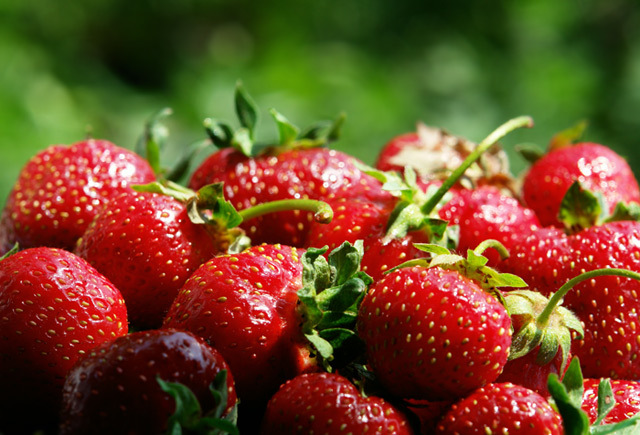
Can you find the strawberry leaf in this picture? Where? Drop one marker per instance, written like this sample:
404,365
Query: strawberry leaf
567,398
11,251
286,130
606,401
210,207
154,139
246,110
218,132
568,136
625,212
531,153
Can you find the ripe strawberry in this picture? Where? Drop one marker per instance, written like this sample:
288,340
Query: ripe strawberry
297,167
60,190
597,167
606,305
435,333
329,403
252,307
115,389
501,408
626,400
147,246
54,308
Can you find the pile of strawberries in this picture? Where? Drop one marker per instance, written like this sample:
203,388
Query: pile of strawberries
290,288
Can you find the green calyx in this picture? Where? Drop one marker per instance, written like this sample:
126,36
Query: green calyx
582,208
243,139
209,207
332,289
188,416
567,397
473,266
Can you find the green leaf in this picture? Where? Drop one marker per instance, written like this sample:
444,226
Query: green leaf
531,153
211,207
606,401
581,208
630,426
286,130
567,397
625,212
246,110
243,141
322,346
220,133
14,249
181,168
188,409
345,259
568,136
154,139
432,248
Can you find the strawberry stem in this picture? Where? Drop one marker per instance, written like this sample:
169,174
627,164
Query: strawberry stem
488,142
322,211
545,315
492,243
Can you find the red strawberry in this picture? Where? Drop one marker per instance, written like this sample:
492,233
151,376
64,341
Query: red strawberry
61,189
115,389
487,213
501,408
329,403
264,318
54,308
146,244
597,167
436,334
606,305
297,167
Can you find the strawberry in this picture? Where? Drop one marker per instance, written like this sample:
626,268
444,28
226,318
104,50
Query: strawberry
501,408
54,308
595,166
297,167
606,305
264,318
60,190
329,403
432,331
128,385
147,246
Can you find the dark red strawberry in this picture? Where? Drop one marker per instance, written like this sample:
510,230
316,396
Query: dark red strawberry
61,189
115,389
147,245
54,308
501,408
299,166
330,403
433,331
252,307
597,167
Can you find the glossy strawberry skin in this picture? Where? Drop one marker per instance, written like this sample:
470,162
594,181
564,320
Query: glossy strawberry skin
625,392
114,388
315,173
147,246
487,213
596,166
433,334
607,306
526,372
329,403
501,408
60,190
244,305
54,308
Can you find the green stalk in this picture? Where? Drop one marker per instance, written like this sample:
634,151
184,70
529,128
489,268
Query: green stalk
492,243
544,316
322,211
488,142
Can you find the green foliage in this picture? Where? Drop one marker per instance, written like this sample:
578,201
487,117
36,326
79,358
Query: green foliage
103,67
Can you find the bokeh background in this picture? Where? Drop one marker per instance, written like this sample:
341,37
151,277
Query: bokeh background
103,67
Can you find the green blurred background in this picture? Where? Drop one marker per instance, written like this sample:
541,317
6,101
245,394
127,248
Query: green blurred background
104,67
